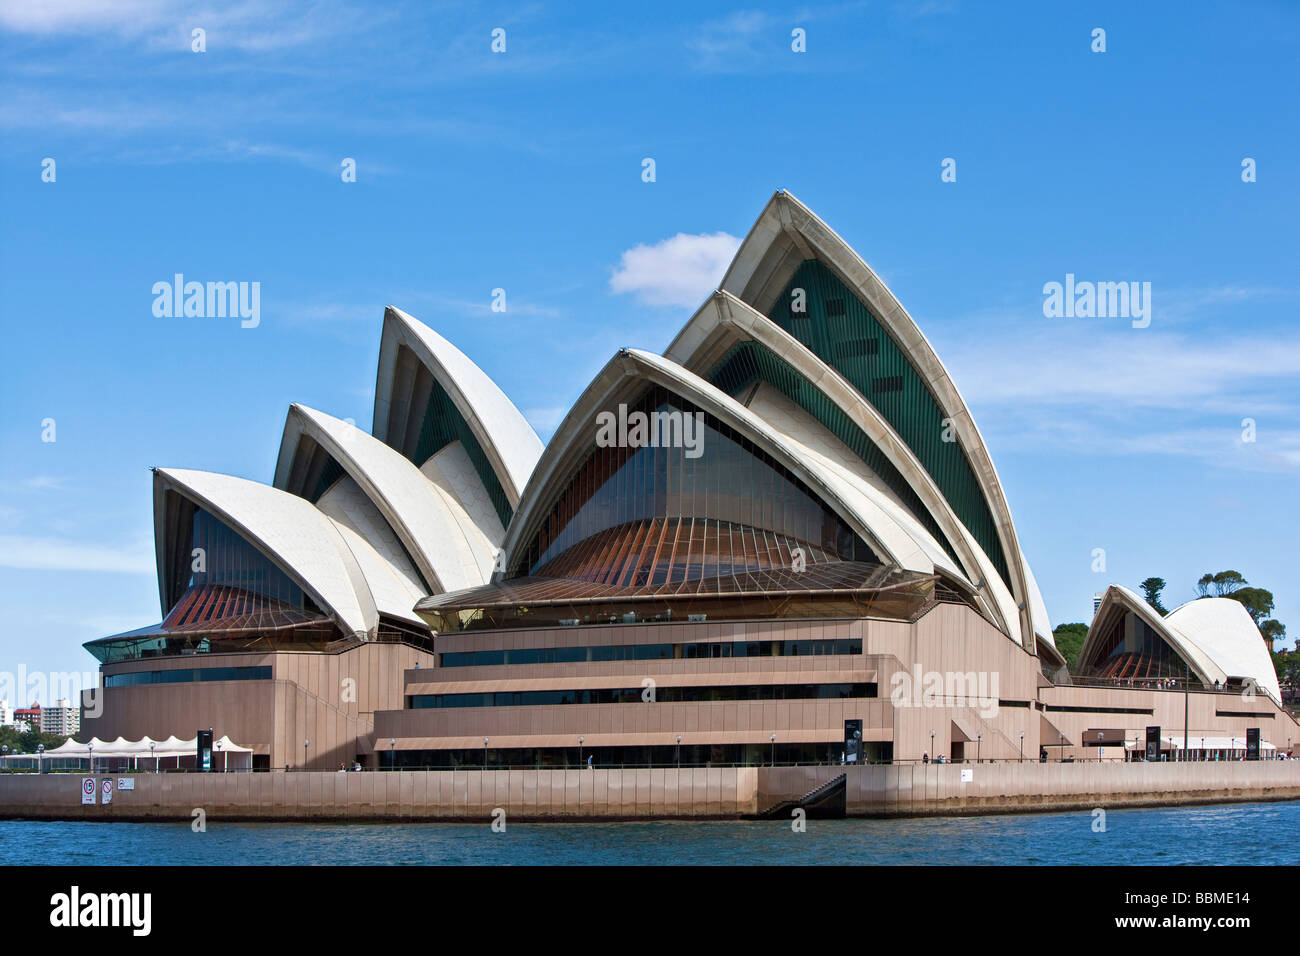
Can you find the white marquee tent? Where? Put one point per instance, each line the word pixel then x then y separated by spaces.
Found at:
pixel 227 754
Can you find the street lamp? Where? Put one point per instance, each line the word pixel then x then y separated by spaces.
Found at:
pixel 90 754
pixel 306 742
pixel 40 761
pixel 979 745
pixel 485 755
pixel 679 751
pixel 223 763
pixel 774 750
pixel 932 754
pixel 153 753
pixel 392 753
pixel 4 750
pixel 1022 746
pixel 581 740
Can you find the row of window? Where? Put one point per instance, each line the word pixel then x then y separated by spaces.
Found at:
pixel 694 650
pixel 186 676
pixel 687 755
pixel 633 695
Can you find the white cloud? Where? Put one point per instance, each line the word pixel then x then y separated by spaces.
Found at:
pixel 250 25
pixel 79 15
pixel 55 554
pixel 679 271
pixel 1125 368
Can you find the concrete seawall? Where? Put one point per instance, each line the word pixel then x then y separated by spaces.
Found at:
pixel 939 789
pixel 696 793
pixel 399 795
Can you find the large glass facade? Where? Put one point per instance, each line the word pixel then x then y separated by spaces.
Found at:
pixel 749 362
pixel 188 676
pixel 690 650
pixel 633 695
pixel 839 329
pixel 432 421
pixel 687 755
pixel 708 506
pixel 209 557
pixel 1131 651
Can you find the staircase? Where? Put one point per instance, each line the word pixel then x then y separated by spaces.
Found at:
pixel 824 802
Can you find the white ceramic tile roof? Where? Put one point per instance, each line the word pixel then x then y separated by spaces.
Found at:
pixel 1224 630
pixel 436 530
pixel 502 431
pixel 1118 595
pixel 1042 621
pixel 394 594
pixel 347 505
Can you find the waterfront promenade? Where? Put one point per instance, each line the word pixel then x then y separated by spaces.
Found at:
pixel 665 793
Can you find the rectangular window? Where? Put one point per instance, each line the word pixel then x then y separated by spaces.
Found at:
pixel 889 383
pixel 855 348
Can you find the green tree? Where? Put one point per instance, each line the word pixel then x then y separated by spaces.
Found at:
pixel 1069 641
pixel 1257 601
pixel 1226 582
pixel 25 741
pixel 1151 589
pixel 1273 631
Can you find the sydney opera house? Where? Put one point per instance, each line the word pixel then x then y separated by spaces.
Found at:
pixel 782 540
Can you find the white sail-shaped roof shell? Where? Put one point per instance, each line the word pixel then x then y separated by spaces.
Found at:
pixel 786 234
pixel 1216 636
pixel 501 430
pixel 724 320
pixel 1225 631
pixel 288 530
pixel 447 544
pixel 869 512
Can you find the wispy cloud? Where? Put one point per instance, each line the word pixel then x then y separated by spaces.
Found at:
pixel 1086 385
pixel 248 26
pixel 679 271
pixel 63 554
pixel 1085 364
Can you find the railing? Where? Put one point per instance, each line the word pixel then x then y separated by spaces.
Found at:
pixel 1175 685
pixel 970 762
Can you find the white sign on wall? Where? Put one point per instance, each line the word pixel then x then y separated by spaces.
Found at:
pixel 967 776
pixel 107 790
pixel 125 783
pixel 87 790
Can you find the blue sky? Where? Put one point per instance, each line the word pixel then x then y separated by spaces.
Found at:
pixel 522 171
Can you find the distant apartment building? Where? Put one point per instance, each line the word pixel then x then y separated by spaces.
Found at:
pixel 6 714
pixel 63 718
pixel 1096 603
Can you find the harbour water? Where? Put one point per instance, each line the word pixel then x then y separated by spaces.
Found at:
pixel 1250 834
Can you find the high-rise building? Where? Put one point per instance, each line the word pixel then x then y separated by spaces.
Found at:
pixel 63 718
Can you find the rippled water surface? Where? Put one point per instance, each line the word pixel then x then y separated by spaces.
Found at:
pixel 1239 833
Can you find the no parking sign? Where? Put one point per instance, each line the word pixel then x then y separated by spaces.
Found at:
pixel 87 790
pixel 107 790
